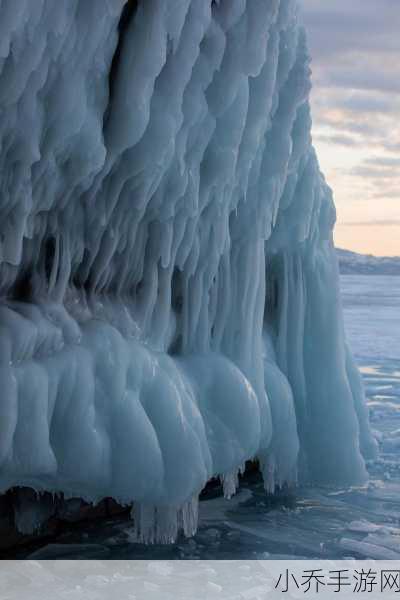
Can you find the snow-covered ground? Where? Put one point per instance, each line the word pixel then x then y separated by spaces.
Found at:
pixel 316 523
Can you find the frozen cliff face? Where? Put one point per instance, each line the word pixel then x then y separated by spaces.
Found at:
pixel 170 303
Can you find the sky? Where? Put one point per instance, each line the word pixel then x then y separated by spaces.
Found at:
pixel 355 49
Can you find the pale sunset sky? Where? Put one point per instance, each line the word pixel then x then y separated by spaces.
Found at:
pixel 355 49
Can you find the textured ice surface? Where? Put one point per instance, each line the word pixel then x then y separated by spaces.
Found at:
pixel 170 291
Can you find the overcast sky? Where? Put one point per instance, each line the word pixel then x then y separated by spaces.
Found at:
pixel 355 47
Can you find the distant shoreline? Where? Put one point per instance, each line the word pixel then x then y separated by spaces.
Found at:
pixel 351 263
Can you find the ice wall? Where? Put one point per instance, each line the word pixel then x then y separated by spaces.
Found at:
pixel 170 303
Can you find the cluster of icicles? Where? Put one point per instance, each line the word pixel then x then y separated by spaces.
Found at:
pixel 170 305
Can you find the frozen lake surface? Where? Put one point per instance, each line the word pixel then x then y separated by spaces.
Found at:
pixel 315 523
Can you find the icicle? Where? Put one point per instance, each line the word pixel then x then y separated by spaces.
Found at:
pixel 162 524
pixel 189 516
pixel 267 467
pixel 144 518
pixel 230 483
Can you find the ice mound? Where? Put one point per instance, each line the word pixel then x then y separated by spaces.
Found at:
pixel 170 303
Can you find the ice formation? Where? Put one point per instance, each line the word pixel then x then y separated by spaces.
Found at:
pixel 170 303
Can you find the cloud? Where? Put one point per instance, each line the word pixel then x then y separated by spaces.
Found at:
pixel 341 28
pixel 372 172
pixel 378 168
pixel 383 161
pixel 386 193
pixel 362 115
pixel 369 103
pixel 372 223
pixel 377 79
pixel 337 139
pixel 354 44
pixel 348 124
pixel 391 146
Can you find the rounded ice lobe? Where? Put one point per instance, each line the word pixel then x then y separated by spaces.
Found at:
pixel 229 407
pixel 279 465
